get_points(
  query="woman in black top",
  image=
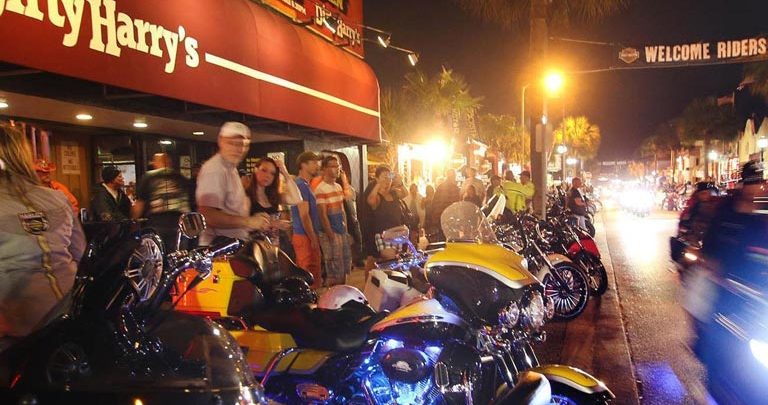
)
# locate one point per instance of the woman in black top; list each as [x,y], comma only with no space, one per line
[384,201]
[266,196]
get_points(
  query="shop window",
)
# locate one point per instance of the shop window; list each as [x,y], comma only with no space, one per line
[119,151]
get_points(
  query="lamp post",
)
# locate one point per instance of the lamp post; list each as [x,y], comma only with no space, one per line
[552,84]
[522,105]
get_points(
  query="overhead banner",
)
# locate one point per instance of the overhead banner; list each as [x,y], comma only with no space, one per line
[234,55]
[698,53]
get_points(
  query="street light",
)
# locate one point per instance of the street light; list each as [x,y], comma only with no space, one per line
[762,143]
[561,149]
[713,155]
[553,82]
[571,161]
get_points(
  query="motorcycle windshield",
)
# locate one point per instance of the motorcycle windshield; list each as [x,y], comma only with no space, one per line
[463,222]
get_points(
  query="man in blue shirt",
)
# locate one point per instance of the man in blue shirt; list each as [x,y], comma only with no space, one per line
[306,222]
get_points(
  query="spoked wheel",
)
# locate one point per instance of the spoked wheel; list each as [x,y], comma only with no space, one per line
[145,266]
[569,297]
[597,277]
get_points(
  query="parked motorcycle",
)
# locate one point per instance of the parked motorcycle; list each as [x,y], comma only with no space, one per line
[116,343]
[565,284]
[578,246]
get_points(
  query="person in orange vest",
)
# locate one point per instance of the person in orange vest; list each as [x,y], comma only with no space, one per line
[44,169]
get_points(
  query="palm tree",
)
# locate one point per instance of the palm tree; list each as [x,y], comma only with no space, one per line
[509,13]
[423,106]
[503,134]
[758,73]
[580,136]
[704,120]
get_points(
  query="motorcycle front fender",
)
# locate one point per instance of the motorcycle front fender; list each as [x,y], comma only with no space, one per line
[557,258]
[575,379]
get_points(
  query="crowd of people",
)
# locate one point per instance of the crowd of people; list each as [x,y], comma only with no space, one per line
[328,229]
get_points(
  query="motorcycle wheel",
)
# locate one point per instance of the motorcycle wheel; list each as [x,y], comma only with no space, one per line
[597,277]
[571,297]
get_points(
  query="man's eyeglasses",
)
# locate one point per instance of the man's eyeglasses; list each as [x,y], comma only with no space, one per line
[237,143]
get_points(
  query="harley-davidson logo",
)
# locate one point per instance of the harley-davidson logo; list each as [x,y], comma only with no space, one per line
[34,222]
[629,55]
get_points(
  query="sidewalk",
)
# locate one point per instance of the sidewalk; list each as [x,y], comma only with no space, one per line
[596,341]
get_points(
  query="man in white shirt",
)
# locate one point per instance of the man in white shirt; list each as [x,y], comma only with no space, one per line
[220,195]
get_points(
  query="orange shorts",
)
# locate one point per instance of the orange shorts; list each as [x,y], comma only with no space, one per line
[308,258]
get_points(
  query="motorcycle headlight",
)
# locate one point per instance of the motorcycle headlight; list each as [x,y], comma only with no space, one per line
[535,312]
[509,315]
[524,263]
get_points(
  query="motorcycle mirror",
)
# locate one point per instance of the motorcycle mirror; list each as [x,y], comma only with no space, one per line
[192,224]
[397,235]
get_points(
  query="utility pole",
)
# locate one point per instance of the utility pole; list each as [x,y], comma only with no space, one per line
[537,54]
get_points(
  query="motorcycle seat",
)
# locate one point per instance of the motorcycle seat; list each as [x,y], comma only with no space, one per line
[337,330]
[266,264]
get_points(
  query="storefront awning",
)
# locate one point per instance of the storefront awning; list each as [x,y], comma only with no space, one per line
[228,54]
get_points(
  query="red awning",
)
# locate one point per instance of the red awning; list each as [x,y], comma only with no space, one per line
[229,54]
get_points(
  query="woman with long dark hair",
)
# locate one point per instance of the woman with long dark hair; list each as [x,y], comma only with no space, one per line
[267,192]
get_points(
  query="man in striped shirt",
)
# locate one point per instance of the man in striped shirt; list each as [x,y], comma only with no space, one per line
[334,239]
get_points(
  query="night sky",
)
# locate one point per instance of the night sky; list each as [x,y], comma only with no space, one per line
[627,105]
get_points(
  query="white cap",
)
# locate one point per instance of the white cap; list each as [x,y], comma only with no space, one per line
[232,129]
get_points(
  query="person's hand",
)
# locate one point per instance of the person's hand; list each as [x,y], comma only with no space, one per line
[260,222]
[280,224]
[281,167]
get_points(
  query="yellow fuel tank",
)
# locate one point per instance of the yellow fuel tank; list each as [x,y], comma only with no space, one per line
[503,264]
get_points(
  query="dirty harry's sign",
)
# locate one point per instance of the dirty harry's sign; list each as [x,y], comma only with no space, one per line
[349,14]
[111,31]
[755,48]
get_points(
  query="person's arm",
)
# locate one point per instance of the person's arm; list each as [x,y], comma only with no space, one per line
[322,209]
[374,198]
[346,187]
[292,194]
[306,222]
[217,218]
[529,190]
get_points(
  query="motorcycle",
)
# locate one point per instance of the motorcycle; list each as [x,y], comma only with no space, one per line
[116,343]
[578,246]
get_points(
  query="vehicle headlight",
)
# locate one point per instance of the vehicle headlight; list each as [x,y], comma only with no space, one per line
[759,350]
[524,263]
[535,312]
[509,315]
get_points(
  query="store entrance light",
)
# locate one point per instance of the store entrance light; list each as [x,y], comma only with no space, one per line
[413,58]
[332,23]
[384,40]
[3,104]
[713,155]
